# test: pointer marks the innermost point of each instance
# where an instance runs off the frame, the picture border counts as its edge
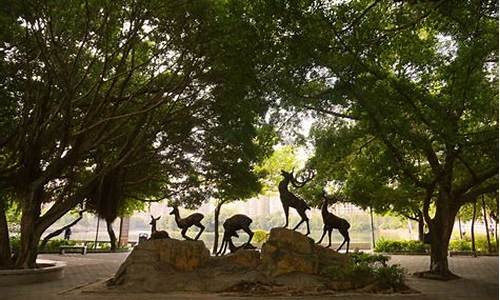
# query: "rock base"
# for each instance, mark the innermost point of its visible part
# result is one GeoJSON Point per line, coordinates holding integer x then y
{"type": "Point", "coordinates": [289, 261]}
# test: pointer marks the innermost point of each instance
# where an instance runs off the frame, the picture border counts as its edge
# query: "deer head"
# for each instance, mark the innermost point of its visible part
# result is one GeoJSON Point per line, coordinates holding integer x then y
{"type": "Point", "coordinates": [153, 220]}
{"type": "Point", "coordinates": [174, 211]}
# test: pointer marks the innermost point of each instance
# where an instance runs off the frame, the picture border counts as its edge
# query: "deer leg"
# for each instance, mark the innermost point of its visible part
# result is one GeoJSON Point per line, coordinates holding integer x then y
{"type": "Point", "coordinates": [329, 239]}
{"type": "Point", "coordinates": [308, 231]}
{"type": "Point", "coordinates": [286, 209]}
{"type": "Point", "coordinates": [183, 233]}
{"type": "Point", "coordinates": [221, 245]}
{"type": "Point", "coordinates": [199, 225]}
{"type": "Point", "coordinates": [346, 239]}
{"type": "Point", "coordinates": [297, 226]}
{"type": "Point", "coordinates": [250, 234]}
{"type": "Point", "coordinates": [229, 240]}
{"type": "Point", "coordinates": [322, 236]}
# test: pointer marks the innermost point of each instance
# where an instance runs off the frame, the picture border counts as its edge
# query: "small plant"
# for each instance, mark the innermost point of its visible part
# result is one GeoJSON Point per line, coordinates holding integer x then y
{"type": "Point", "coordinates": [366, 269]}
{"type": "Point", "coordinates": [390, 277]}
{"type": "Point", "coordinates": [260, 236]}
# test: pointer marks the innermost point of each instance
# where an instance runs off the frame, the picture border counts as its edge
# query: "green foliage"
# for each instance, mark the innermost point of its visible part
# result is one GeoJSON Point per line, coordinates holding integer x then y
{"type": "Point", "coordinates": [54, 244]}
{"type": "Point", "coordinates": [389, 246]}
{"type": "Point", "coordinates": [460, 245]}
{"type": "Point", "coordinates": [466, 244]}
{"type": "Point", "coordinates": [366, 269]}
{"type": "Point", "coordinates": [361, 257]}
{"type": "Point", "coordinates": [269, 171]}
{"type": "Point", "coordinates": [390, 277]}
{"type": "Point", "coordinates": [260, 236]}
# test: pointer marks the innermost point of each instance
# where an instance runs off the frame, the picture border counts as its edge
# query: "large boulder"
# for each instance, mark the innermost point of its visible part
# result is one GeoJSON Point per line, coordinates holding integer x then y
{"type": "Point", "coordinates": [155, 259]}
{"type": "Point", "coordinates": [288, 251]}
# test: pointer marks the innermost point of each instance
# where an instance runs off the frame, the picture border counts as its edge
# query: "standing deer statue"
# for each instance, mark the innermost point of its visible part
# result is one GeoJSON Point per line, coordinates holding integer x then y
{"type": "Point", "coordinates": [155, 234]}
{"type": "Point", "coordinates": [331, 222]}
{"type": "Point", "coordinates": [288, 199]}
{"type": "Point", "coordinates": [231, 226]}
{"type": "Point", "coordinates": [185, 223]}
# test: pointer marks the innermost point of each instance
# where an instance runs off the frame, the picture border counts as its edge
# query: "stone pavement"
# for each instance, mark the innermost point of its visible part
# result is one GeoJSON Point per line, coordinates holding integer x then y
{"type": "Point", "coordinates": [479, 281]}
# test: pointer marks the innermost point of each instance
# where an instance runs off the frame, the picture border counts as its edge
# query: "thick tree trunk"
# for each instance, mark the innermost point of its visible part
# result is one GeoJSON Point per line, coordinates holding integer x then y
{"type": "Point", "coordinates": [472, 236]}
{"type": "Point", "coordinates": [216, 226]}
{"type": "Point", "coordinates": [5, 255]}
{"type": "Point", "coordinates": [441, 228]}
{"type": "Point", "coordinates": [486, 225]}
{"type": "Point", "coordinates": [30, 235]}
{"type": "Point", "coordinates": [112, 235]}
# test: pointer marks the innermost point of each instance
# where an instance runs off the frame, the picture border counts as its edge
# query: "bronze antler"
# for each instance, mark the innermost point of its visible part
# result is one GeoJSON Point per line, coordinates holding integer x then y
{"type": "Point", "coordinates": [299, 184]}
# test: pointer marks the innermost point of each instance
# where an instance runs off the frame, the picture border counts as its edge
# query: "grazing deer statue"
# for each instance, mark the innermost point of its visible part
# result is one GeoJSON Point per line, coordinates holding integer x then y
{"type": "Point", "coordinates": [331, 222]}
{"type": "Point", "coordinates": [231, 226]}
{"type": "Point", "coordinates": [155, 234]}
{"type": "Point", "coordinates": [185, 223]}
{"type": "Point", "coordinates": [288, 199]}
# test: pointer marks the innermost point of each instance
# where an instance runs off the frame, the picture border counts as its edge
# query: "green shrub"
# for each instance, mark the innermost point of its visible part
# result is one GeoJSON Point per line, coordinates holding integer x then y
{"type": "Point", "coordinates": [260, 236]}
{"type": "Point", "coordinates": [390, 277]}
{"type": "Point", "coordinates": [466, 244]}
{"type": "Point", "coordinates": [54, 244]}
{"type": "Point", "coordinates": [460, 245]}
{"type": "Point", "coordinates": [383, 245]}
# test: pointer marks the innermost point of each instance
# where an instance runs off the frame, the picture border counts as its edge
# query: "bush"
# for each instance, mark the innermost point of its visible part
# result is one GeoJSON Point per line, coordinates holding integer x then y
{"type": "Point", "coordinates": [466, 245]}
{"type": "Point", "coordinates": [366, 269]}
{"type": "Point", "coordinates": [54, 244]}
{"type": "Point", "coordinates": [460, 245]}
{"type": "Point", "coordinates": [383, 245]}
{"type": "Point", "coordinates": [390, 277]}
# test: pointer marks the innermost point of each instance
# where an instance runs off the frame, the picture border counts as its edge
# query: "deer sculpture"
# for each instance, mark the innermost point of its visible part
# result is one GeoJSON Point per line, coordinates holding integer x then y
{"type": "Point", "coordinates": [288, 199]}
{"type": "Point", "coordinates": [155, 234]}
{"type": "Point", "coordinates": [231, 226]}
{"type": "Point", "coordinates": [331, 222]}
{"type": "Point", "coordinates": [185, 223]}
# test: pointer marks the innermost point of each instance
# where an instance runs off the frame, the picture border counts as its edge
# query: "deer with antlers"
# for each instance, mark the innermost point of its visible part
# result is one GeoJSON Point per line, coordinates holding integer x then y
{"type": "Point", "coordinates": [155, 234]}
{"type": "Point", "coordinates": [288, 199]}
{"type": "Point", "coordinates": [231, 226]}
{"type": "Point", "coordinates": [331, 222]}
{"type": "Point", "coordinates": [185, 223]}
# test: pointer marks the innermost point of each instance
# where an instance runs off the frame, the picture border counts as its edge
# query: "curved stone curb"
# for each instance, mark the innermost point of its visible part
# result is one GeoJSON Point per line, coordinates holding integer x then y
{"type": "Point", "coordinates": [49, 270]}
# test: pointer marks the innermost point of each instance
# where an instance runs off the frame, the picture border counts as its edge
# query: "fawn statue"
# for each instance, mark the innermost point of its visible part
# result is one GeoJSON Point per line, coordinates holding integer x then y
{"type": "Point", "coordinates": [155, 234]}
{"type": "Point", "coordinates": [185, 223]}
{"type": "Point", "coordinates": [331, 222]}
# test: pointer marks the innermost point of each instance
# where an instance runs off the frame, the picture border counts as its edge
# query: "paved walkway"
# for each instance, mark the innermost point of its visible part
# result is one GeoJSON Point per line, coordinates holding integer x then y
{"type": "Point", "coordinates": [479, 281]}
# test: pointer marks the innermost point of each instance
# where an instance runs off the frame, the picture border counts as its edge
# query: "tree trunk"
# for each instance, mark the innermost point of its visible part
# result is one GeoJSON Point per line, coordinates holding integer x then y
{"type": "Point", "coordinates": [216, 226]}
{"type": "Point", "coordinates": [5, 255]}
{"type": "Point", "coordinates": [472, 229]}
{"type": "Point", "coordinates": [421, 225]}
{"type": "Point", "coordinates": [441, 228]}
{"type": "Point", "coordinates": [486, 225]}
{"type": "Point", "coordinates": [460, 228]}
{"type": "Point", "coordinates": [30, 235]}
{"type": "Point", "coordinates": [372, 228]}
{"type": "Point", "coordinates": [112, 235]}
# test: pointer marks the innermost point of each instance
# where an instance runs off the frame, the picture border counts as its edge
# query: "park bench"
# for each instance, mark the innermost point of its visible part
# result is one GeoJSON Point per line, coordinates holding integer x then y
{"type": "Point", "coordinates": [62, 249]}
